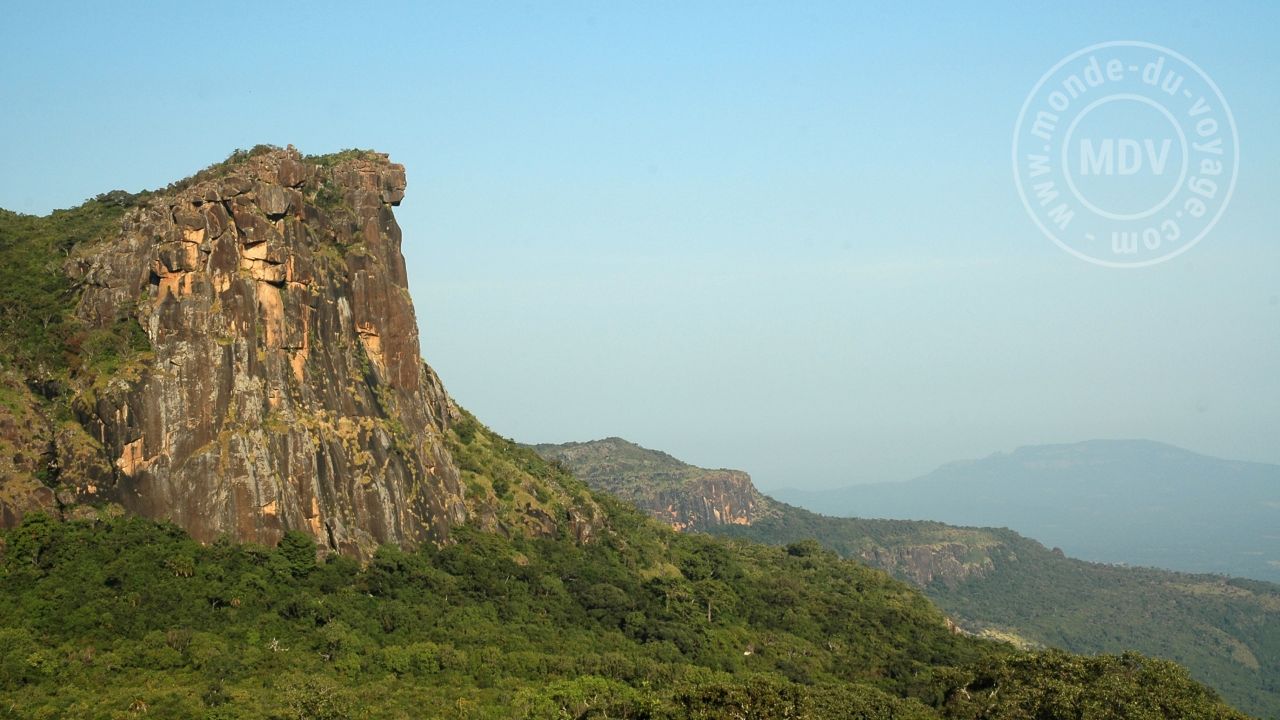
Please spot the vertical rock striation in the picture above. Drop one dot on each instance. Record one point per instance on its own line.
(283, 388)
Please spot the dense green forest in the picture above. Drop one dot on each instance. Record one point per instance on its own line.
(122, 617)
(1223, 628)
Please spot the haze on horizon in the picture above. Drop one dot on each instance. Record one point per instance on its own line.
(774, 239)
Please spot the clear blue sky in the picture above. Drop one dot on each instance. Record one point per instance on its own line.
(776, 236)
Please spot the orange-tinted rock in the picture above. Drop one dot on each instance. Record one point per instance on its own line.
(240, 421)
(292, 173)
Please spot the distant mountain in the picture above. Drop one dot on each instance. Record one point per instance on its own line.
(992, 582)
(1134, 502)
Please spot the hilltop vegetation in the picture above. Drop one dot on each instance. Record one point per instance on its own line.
(1000, 584)
(677, 493)
(624, 468)
(38, 334)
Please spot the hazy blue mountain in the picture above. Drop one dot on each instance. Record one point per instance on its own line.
(1120, 501)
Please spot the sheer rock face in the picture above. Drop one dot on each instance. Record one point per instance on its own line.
(949, 564)
(713, 497)
(284, 387)
(681, 495)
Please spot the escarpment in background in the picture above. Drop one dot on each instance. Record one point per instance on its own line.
(947, 563)
(990, 581)
(1136, 502)
(687, 497)
(681, 495)
(262, 371)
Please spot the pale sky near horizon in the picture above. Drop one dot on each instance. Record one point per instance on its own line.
(782, 237)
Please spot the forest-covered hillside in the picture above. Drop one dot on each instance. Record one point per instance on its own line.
(1225, 629)
(992, 581)
(122, 617)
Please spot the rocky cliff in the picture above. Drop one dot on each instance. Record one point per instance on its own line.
(990, 581)
(687, 497)
(270, 377)
(923, 565)
(681, 495)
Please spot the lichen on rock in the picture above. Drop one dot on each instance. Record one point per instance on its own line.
(257, 370)
(279, 360)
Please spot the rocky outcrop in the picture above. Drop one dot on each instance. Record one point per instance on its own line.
(713, 497)
(948, 564)
(687, 497)
(681, 495)
(283, 387)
